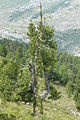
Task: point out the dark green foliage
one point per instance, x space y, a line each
67 68
14 82
78 102
4 116
77 90
70 88
54 94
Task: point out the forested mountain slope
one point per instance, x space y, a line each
16 102
62 15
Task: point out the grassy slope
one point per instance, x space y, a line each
61 109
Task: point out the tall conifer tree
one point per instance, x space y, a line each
42 51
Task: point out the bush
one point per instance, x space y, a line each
54 94
4 116
78 103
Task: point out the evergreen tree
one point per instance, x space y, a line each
42 51
77 90
69 88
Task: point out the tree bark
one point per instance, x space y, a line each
41 106
33 88
47 84
46 93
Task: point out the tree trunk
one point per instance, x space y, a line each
41 106
34 103
44 95
47 84
33 88
35 78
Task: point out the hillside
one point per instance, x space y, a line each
62 15
69 41
39 60
62 109
15 92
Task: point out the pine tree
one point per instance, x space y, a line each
42 53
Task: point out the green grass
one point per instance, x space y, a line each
61 109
